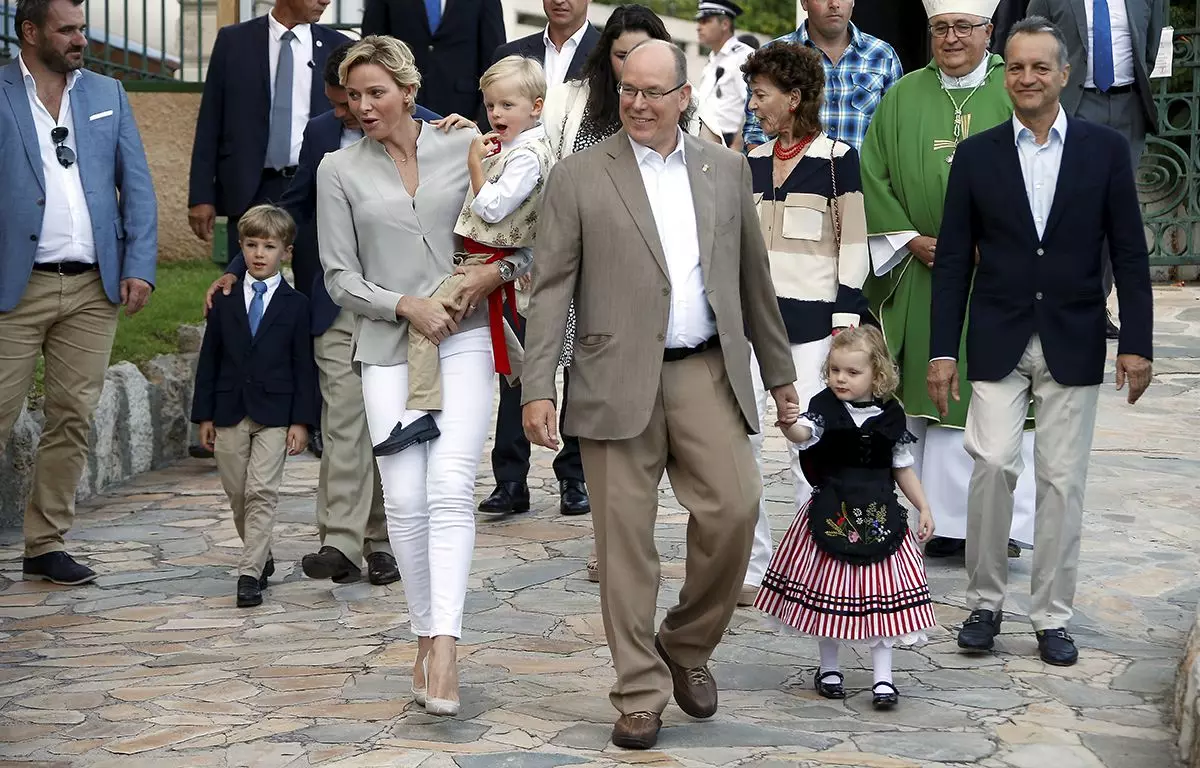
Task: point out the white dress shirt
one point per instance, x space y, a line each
724 112
302 76
1122 43
559 61
499 198
349 136
691 321
1039 166
248 290
66 222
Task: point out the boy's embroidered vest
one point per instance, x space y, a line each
519 228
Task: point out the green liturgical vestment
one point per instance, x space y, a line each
906 160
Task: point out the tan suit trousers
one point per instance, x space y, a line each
1066 418
349 495
70 321
250 460
698 435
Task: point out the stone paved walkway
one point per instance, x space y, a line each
154 666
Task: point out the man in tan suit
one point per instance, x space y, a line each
655 236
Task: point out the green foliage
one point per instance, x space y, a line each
766 17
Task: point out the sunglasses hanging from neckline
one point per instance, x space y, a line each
64 154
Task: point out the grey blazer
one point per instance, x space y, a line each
1146 18
377 243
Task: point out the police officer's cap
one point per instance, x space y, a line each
718 8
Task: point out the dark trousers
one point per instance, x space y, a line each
510 453
270 190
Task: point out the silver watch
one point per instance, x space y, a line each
506 270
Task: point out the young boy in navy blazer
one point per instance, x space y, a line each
255 386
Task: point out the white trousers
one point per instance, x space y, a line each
809 359
429 489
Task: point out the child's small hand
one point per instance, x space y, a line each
297 439
484 145
789 415
452 122
208 435
925 526
524 281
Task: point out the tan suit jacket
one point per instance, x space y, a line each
597 243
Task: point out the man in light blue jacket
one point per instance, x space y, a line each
78 238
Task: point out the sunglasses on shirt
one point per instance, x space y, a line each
64 154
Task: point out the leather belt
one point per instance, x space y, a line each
286 173
67 267
673 354
1112 90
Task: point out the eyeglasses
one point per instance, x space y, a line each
64 154
961 29
651 94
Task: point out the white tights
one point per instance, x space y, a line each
881 658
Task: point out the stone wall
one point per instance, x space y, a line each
141 423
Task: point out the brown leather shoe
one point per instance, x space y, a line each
695 688
637 730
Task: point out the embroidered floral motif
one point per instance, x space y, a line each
861 526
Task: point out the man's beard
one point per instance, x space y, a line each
58 62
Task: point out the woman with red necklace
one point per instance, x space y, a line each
810 206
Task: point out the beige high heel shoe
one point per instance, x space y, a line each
434 706
419 694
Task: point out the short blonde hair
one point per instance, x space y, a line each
869 339
525 74
267 221
388 53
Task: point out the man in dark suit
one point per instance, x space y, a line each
1028 208
1111 62
562 47
452 41
258 96
350 519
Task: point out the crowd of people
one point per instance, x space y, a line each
810 226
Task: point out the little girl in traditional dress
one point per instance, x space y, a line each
849 569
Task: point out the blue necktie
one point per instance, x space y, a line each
1102 49
433 9
256 305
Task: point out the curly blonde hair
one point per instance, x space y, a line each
868 338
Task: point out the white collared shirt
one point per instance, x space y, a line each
349 136
559 61
1040 164
691 321
498 199
66 222
722 99
1122 43
972 79
302 76
248 290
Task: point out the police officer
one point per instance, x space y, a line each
722 92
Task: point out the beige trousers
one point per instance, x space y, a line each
250 460
697 434
349 497
424 366
1066 417
70 321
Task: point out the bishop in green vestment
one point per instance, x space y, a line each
906 161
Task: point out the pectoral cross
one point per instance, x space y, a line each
962 129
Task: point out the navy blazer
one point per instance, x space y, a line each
269 377
534 47
231 131
452 59
322 135
1049 286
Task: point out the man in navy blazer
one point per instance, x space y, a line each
1029 206
235 162
452 41
563 46
78 237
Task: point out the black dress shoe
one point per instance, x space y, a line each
330 563
421 430
197 451
248 592
316 443
57 568
1057 647
506 499
268 570
884 695
941 546
573 498
829 690
979 631
1111 331
381 569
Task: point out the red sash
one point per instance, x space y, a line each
496 300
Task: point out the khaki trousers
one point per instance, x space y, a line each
424 363
1066 417
70 321
349 495
697 434
250 461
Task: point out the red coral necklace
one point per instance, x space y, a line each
794 150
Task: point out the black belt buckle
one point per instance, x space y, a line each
289 172
675 354
66 268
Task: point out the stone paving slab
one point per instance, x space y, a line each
154 666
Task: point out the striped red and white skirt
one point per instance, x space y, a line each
815 594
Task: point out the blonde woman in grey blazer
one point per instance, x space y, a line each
386 208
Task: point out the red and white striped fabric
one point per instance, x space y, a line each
818 595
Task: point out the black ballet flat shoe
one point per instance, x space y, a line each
886 698
830 690
422 430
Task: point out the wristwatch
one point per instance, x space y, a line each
506 270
